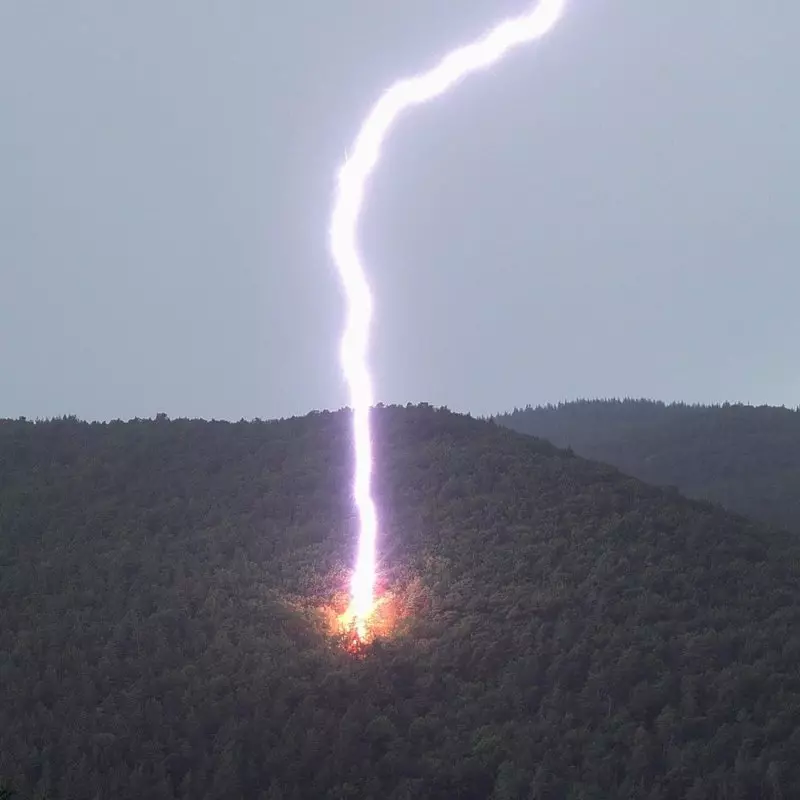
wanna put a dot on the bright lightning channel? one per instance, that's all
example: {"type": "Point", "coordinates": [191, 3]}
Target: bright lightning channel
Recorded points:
{"type": "Point", "coordinates": [349, 201]}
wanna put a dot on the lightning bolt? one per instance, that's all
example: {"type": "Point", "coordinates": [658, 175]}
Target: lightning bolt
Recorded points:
{"type": "Point", "coordinates": [353, 176]}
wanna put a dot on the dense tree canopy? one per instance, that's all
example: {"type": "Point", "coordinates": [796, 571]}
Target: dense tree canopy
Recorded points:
{"type": "Point", "coordinates": [570, 632]}
{"type": "Point", "coordinates": [746, 458]}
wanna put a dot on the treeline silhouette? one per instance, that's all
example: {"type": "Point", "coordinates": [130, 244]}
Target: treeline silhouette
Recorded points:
{"type": "Point", "coordinates": [746, 458]}
{"type": "Point", "coordinates": [570, 632]}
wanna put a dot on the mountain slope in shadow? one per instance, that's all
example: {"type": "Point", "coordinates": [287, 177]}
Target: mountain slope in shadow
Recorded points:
{"type": "Point", "coordinates": [568, 631]}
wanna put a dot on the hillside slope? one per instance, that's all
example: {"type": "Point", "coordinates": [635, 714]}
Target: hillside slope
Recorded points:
{"type": "Point", "coordinates": [572, 632]}
{"type": "Point", "coordinates": [746, 458]}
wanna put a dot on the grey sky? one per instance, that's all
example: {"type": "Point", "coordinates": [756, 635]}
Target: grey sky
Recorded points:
{"type": "Point", "coordinates": [613, 211]}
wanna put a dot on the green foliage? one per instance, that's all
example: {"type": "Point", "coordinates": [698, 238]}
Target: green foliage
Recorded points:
{"type": "Point", "coordinates": [745, 458]}
{"type": "Point", "coordinates": [576, 633]}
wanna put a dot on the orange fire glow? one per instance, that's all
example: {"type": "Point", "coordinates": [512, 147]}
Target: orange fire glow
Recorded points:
{"type": "Point", "coordinates": [360, 630]}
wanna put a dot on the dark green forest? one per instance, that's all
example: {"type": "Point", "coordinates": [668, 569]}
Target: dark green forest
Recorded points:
{"type": "Point", "coordinates": [569, 631]}
{"type": "Point", "coordinates": [747, 458]}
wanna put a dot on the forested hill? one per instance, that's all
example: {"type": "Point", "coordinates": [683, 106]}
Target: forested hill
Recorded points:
{"type": "Point", "coordinates": [746, 458]}
{"type": "Point", "coordinates": [568, 631]}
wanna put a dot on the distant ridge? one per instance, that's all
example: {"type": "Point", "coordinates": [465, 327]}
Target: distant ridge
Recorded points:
{"type": "Point", "coordinates": [746, 458]}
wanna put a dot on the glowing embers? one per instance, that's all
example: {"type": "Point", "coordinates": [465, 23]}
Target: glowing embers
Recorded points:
{"type": "Point", "coordinates": [357, 631]}
{"type": "Point", "coordinates": [363, 624]}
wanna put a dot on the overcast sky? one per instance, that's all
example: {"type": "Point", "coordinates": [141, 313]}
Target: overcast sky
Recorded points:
{"type": "Point", "coordinates": [613, 211]}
